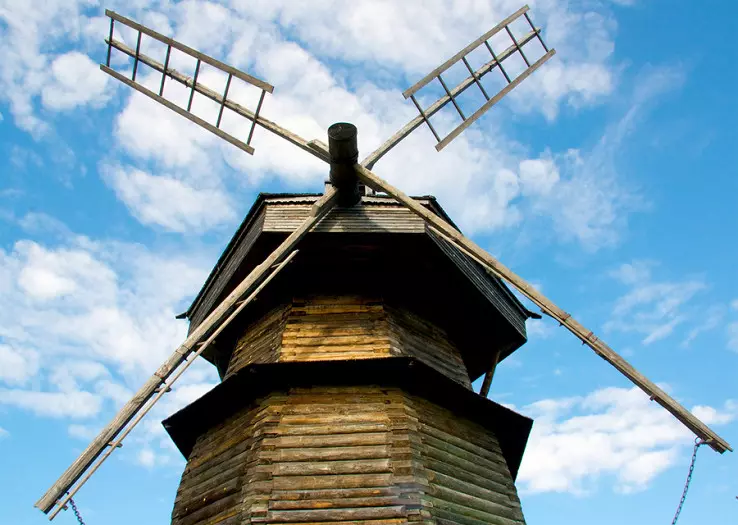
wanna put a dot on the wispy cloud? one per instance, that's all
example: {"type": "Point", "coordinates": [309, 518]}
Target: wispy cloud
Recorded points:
{"type": "Point", "coordinates": [652, 308]}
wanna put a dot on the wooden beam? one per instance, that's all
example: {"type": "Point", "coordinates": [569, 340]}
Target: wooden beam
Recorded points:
{"type": "Point", "coordinates": [211, 322]}
{"type": "Point", "coordinates": [586, 336]}
{"type": "Point", "coordinates": [484, 391]}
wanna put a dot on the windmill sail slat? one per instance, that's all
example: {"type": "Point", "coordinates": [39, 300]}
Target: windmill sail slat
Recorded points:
{"type": "Point", "coordinates": [183, 112]}
{"type": "Point", "coordinates": [468, 49]}
{"type": "Point", "coordinates": [438, 105]}
{"type": "Point", "coordinates": [189, 51]}
{"type": "Point", "coordinates": [494, 100]}
{"type": "Point", "coordinates": [586, 336]}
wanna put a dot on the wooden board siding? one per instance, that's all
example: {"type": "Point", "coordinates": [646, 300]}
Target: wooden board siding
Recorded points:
{"type": "Point", "coordinates": [340, 455]}
{"type": "Point", "coordinates": [214, 479]}
{"type": "Point", "coordinates": [367, 218]}
{"type": "Point", "coordinates": [469, 482]}
{"type": "Point", "coordinates": [414, 336]}
{"type": "Point", "coordinates": [329, 328]}
{"type": "Point", "coordinates": [260, 341]}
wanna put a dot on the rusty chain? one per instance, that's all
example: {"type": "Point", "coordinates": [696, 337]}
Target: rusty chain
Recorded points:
{"type": "Point", "coordinates": [76, 511]}
{"type": "Point", "coordinates": [697, 444]}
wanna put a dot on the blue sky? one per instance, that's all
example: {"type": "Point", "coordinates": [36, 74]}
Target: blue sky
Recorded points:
{"type": "Point", "coordinates": [607, 179]}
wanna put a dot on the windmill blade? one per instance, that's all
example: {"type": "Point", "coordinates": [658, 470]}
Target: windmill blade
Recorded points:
{"type": "Point", "coordinates": [474, 78]}
{"type": "Point", "coordinates": [586, 336]}
{"type": "Point", "coordinates": [134, 410]}
{"type": "Point", "coordinates": [196, 87]}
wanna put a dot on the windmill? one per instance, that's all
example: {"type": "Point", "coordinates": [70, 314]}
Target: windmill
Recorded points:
{"type": "Point", "coordinates": [337, 338]}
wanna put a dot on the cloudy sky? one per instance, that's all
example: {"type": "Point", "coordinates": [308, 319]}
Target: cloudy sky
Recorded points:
{"type": "Point", "coordinates": [607, 179]}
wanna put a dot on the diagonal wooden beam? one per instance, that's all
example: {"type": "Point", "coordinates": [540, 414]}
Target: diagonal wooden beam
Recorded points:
{"type": "Point", "coordinates": [586, 336]}
{"type": "Point", "coordinates": [214, 321]}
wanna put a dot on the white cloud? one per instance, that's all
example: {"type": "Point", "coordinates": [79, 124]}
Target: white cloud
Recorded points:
{"type": "Point", "coordinates": [76, 405]}
{"type": "Point", "coordinates": [17, 365]}
{"type": "Point", "coordinates": [170, 203]}
{"type": "Point", "coordinates": [85, 432]}
{"type": "Point", "coordinates": [712, 319]}
{"type": "Point", "coordinates": [3, 433]}
{"type": "Point", "coordinates": [146, 457]}
{"type": "Point", "coordinates": [611, 433]}
{"type": "Point", "coordinates": [651, 308]}
{"type": "Point", "coordinates": [538, 176]}
{"type": "Point", "coordinates": [102, 332]}
{"type": "Point", "coordinates": [76, 80]}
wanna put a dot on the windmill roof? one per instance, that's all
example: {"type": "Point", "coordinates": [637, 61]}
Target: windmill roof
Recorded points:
{"type": "Point", "coordinates": [384, 243]}
{"type": "Point", "coordinates": [299, 198]}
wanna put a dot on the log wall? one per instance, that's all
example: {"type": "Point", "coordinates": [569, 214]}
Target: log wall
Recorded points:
{"type": "Point", "coordinates": [340, 455]}
{"type": "Point", "coordinates": [328, 328]}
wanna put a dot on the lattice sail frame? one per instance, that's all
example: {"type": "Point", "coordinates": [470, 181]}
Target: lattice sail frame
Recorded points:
{"type": "Point", "coordinates": [187, 81]}
{"type": "Point", "coordinates": [496, 62]}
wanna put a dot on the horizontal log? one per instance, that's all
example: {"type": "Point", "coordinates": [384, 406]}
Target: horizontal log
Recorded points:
{"type": "Point", "coordinates": [460, 512]}
{"type": "Point", "coordinates": [331, 482]}
{"type": "Point", "coordinates": [373, 492]}
{"type": "Point", "coordinates": [501, 506]}
{"type": "Point", "coordinates": [492, 481]}
{"type": "Point", "coordinates": [371, 513]}
{"type": "Point", "coordinates": [369, 466]}
{"type": "Point", "coordinates": [338, 440]}
{"type": "Point", "coordinates": [227, 506]}
{"type": "Point", "coordinates": [502, 494]}
{"type": "Point", "coordinates": [328, 453]}
{"type": "Point", "coordinates": [338, 502]}
{"type": "Point", "coordinates": [185, 507]}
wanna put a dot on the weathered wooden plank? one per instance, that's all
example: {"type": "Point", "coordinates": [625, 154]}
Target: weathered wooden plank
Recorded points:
{"type": "Point", "coordinates": [357, 493]}
{"type": "Point", "coordinates": [338, 514]}
{"type": "Point", "coordinates": [323, 429]}
{"type": "Point", "coordinates": [392, 521]}
{"type": "Point", "coordinates": [462, 514]}
{"type": "Point", "coordinates": [345, 481]}
{"type": "Point", "coordinates": [223, 506]}
{"type": "Point", "coordinates": [305, 468]}
{"type": "Point", "coordinates": [500, 504]}
{"type": "Point", "coordinates": [337, 502]}
{"type": "Point", "coordinates": [338, 440]}
{"type": "Point", "coordinates": [502, 494]}
{"type": "Point", "coordinates": [206, 497]}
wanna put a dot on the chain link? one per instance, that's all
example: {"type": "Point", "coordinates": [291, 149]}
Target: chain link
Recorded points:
{"type": "Point", "coordinates": [76, 512]}
{"type": "Point", "coordinates": [697, 444]}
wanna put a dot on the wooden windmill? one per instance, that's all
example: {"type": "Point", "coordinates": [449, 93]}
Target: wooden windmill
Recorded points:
{"type": "Point", "coordinates": [346, 388]}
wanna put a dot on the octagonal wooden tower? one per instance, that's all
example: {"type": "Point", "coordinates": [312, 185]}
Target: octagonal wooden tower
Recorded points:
{"type": "Point", "coordinates": [346, 393]}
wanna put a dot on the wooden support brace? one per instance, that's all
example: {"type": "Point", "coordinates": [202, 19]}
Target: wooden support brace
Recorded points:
{"type": "Point", "coordinates": [500, 270]}
{"type": "Point", "coordinates": [484, 391]}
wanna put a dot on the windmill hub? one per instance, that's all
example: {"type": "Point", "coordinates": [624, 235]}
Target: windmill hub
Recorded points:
{"type": "Point", "coordinates": [344, 154]}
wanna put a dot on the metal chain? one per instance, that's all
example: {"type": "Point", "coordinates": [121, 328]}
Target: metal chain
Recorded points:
{"type": "Point", "coordinates": [76, 512]}
{"type": "Point", "coordinates": [697, 444]}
